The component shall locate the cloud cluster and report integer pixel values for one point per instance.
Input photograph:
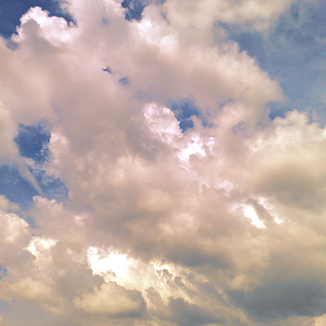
(221, 224)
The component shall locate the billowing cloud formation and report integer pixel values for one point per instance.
(219, 224)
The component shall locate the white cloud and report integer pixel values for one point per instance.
(160, 224)
(6, 205)
(202, 14)
(53, 29)
(15, 234)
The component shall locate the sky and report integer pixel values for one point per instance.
(162, 163)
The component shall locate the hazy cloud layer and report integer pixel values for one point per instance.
(219, 223)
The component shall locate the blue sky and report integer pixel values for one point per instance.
(32, 142)
(294, 53)
(12, 11)
(162, 162)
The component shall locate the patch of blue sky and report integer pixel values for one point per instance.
(278, 109)
(14, 187)
(293, 52)
(52, 187)
(4, 305)
(124, 81)
(28, 218)
(32, 142)
(11, 12)
(134, 8)
(106, 21)
(3, 272)
(239, 127)
(184, 110)
(18, 190)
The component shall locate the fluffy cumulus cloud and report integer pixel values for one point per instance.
(219, 223)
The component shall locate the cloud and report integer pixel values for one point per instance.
(15, 235)
(218, 223)
(28, 289)
(187, 314)
(2, 323)
(202, 14)
(112, 300)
